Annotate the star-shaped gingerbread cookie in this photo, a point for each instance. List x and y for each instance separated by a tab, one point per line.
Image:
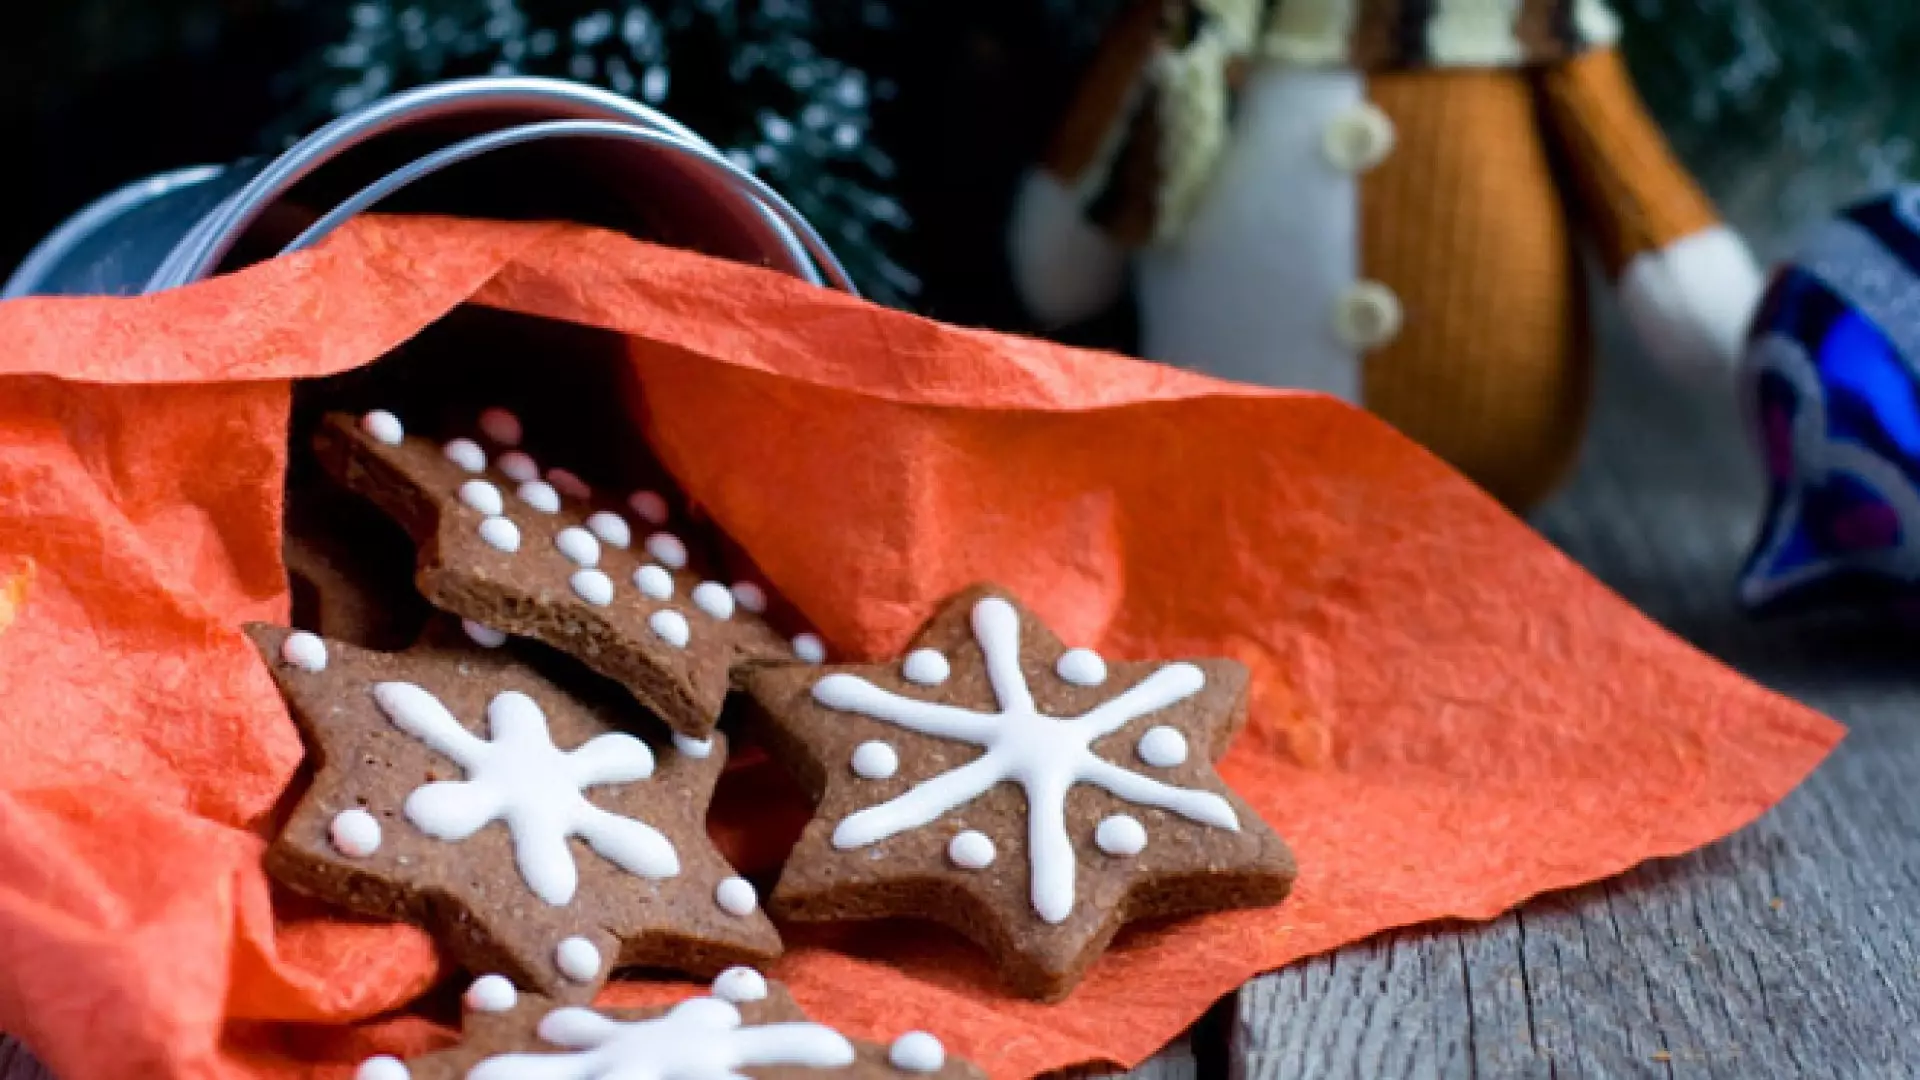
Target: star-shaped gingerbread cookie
538	554
746	1026
527	830
1030	796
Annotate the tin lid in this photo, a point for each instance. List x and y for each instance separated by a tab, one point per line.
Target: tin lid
87	253
586	154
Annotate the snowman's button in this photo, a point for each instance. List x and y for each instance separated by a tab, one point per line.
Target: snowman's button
1368	316
1359	138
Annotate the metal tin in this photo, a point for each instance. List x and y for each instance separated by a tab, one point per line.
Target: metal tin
508	147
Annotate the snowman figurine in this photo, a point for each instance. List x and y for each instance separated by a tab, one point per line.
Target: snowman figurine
1381	200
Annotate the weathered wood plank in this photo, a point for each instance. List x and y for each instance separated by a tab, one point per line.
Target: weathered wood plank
1685	967
1787	950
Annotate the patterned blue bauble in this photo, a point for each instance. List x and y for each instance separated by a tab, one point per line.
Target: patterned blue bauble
1832	388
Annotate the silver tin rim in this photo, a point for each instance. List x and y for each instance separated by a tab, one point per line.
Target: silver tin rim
760	197
53	250
201	250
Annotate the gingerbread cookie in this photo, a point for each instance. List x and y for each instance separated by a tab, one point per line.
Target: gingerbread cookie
1032	797
350	570
458	789
534	552
746	1026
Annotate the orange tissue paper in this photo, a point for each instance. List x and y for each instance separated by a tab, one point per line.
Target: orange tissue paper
1448	717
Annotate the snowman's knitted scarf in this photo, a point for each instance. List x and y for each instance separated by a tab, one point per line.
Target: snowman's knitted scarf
1163	150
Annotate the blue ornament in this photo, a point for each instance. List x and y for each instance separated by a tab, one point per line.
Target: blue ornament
1832	386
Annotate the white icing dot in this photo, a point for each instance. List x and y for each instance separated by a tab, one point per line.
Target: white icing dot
518	467
578	544
384	1067
971	850
650	506
671	627
480	496
809	648
355	833
1120	835
750	596
714	599
653	582
483	635
928	667
492	993
577	959
304	651
917	1051
1081	667
383	426
1163	747
736	896
501	426
592	586
692	747
740	985
501	533
875	760
668	549
467	454
540	495
610	528
569	484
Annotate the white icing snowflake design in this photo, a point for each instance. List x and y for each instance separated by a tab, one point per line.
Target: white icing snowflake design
522	779
700	1039
1045	755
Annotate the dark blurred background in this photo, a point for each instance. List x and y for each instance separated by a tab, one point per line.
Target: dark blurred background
898	127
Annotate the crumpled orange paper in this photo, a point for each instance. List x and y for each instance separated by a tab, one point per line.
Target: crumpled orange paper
1448	717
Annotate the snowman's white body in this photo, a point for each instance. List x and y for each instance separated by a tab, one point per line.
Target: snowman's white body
1252	288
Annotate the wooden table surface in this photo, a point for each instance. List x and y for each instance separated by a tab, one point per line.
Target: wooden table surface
1791	949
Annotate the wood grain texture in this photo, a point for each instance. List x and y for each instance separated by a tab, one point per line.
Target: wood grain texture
1787	950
